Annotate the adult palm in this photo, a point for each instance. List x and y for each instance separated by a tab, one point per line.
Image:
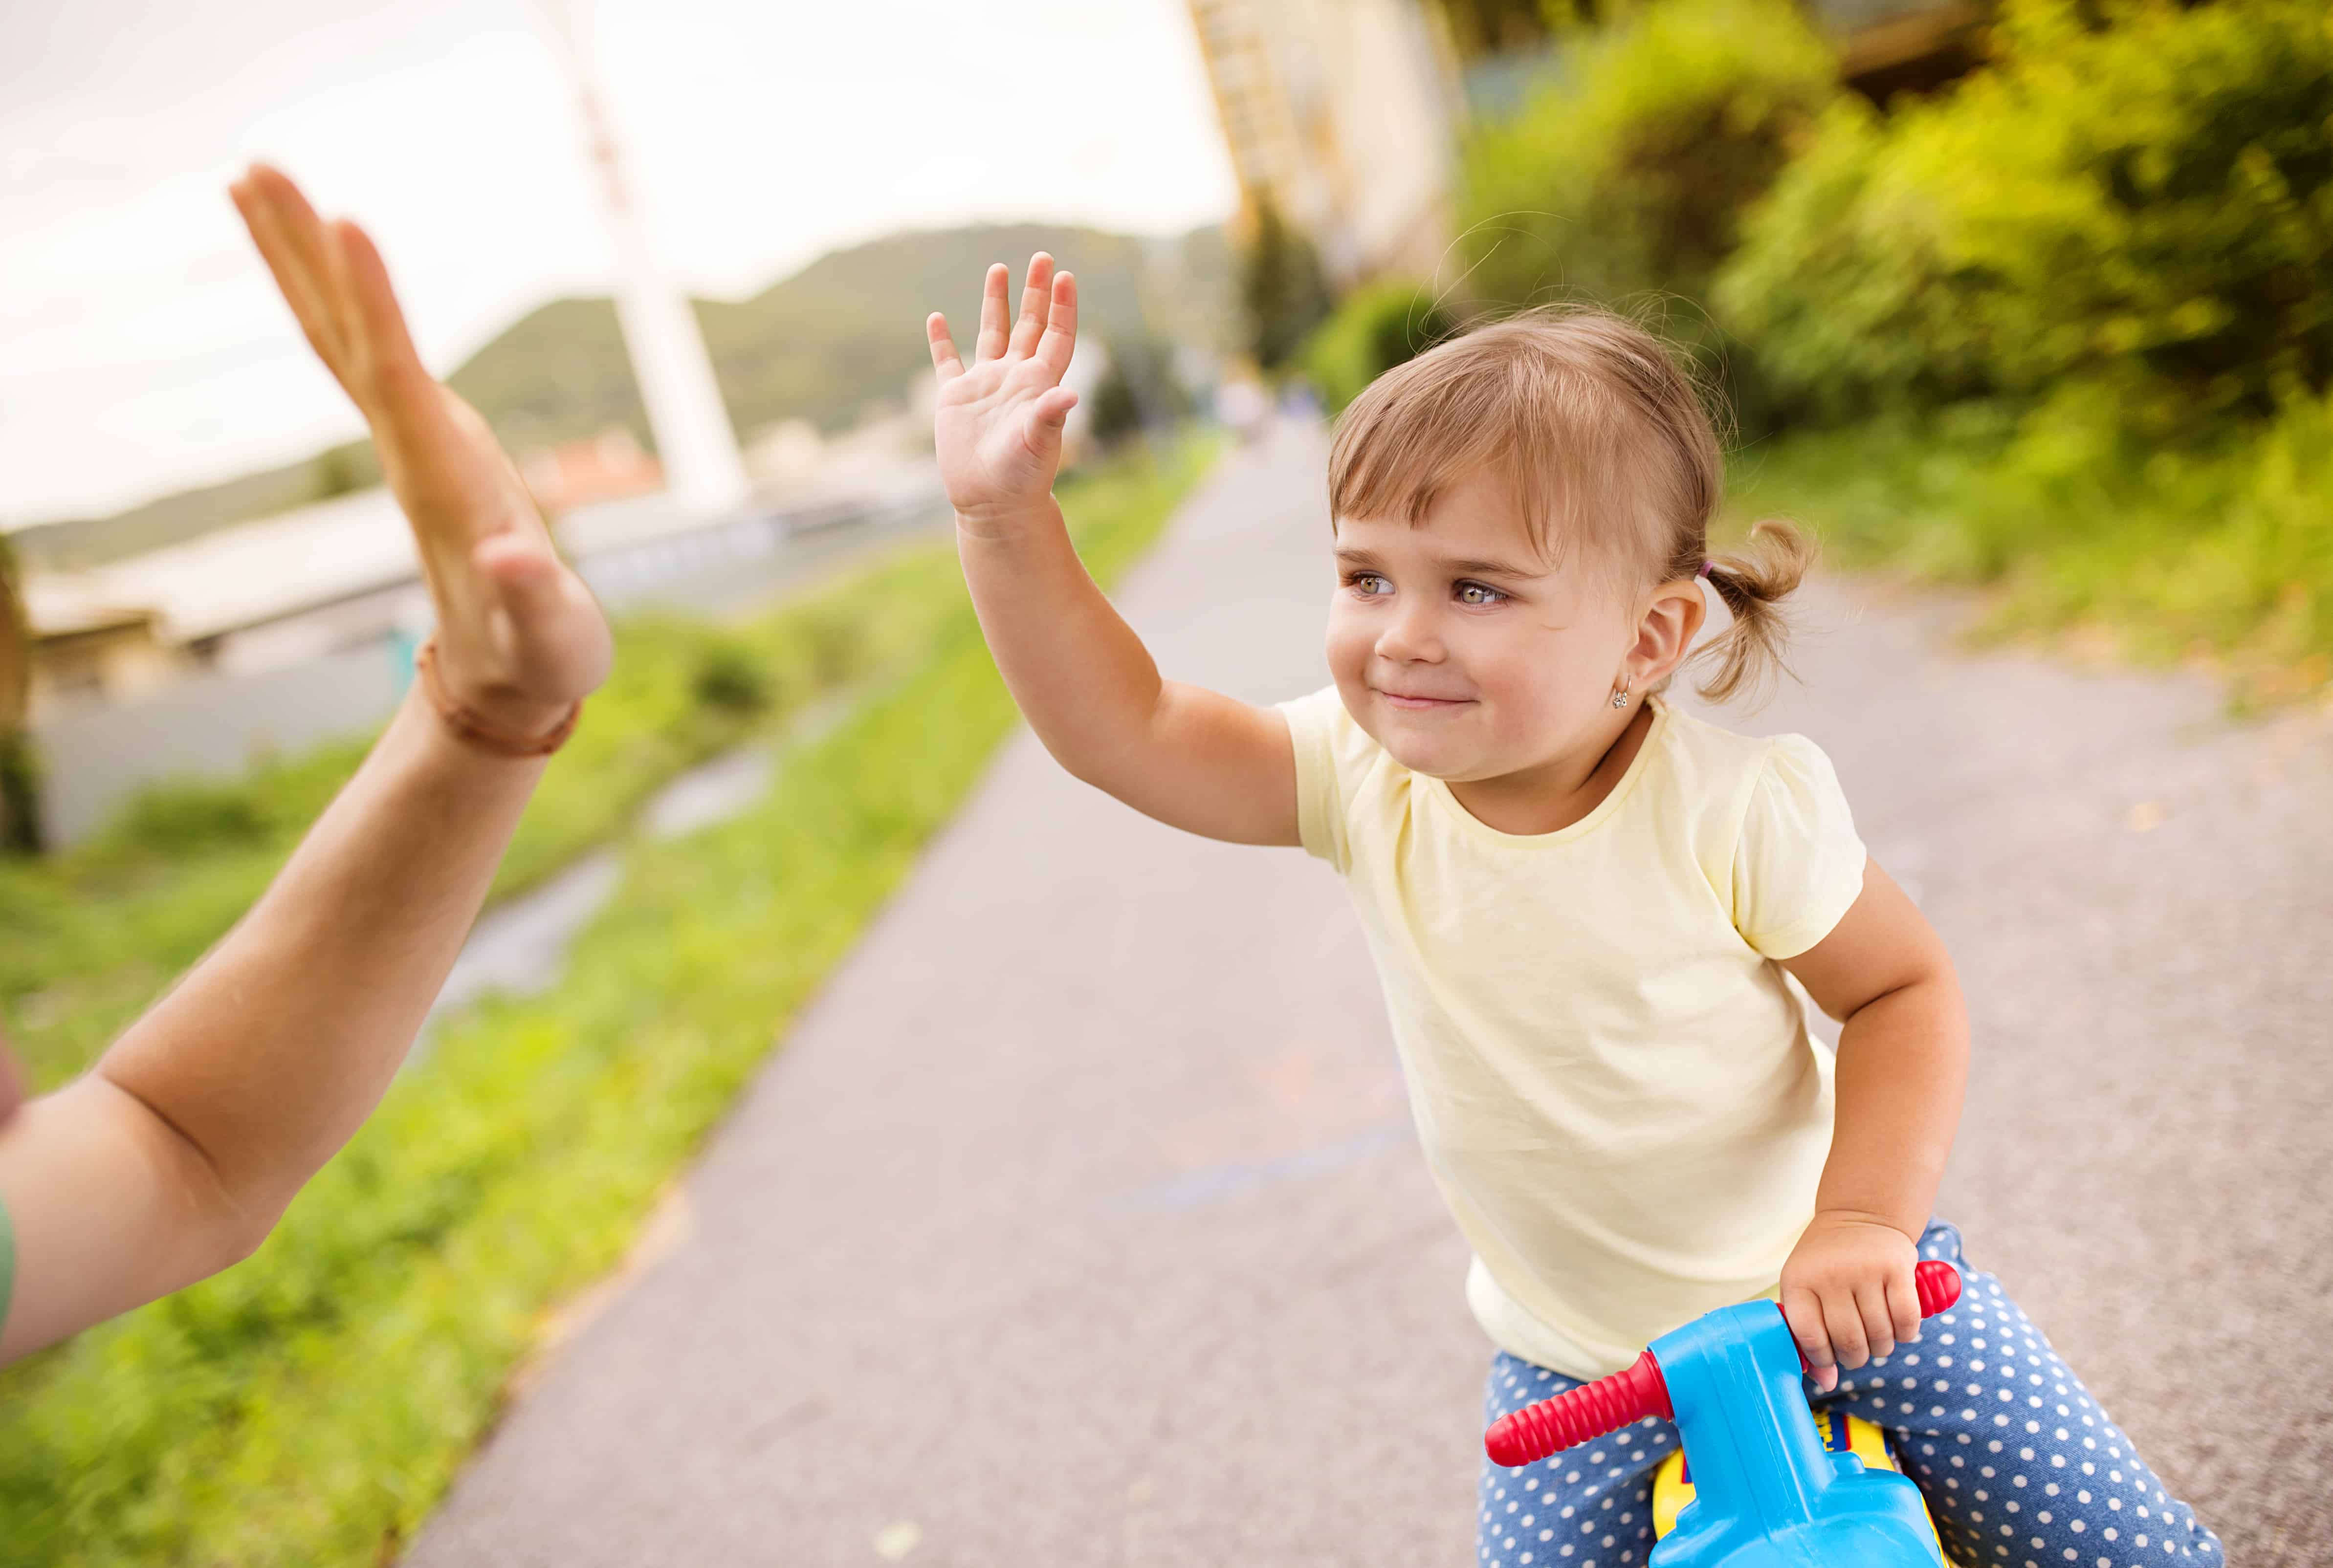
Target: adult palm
520	639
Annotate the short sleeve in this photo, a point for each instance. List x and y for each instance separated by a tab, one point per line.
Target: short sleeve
1317	725
1797	864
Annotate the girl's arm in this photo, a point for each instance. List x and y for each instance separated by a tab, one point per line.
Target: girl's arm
1191	758
1903	1067
173	1156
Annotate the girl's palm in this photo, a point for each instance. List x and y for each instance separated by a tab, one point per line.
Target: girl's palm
998	428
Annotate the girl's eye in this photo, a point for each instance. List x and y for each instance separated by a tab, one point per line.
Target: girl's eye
1476	593
1370	585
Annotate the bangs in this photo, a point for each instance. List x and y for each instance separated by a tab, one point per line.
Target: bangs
1532	403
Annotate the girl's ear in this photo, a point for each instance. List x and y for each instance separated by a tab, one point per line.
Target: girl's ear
1671	621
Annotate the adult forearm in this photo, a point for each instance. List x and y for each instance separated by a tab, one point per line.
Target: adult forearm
1081	675
274	1048
1903	1070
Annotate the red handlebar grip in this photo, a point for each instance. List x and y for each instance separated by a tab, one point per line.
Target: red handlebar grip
1587	1412
1939	1284
1596	1409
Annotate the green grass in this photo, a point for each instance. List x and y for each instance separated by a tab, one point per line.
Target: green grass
2219	555
89	938
311	1406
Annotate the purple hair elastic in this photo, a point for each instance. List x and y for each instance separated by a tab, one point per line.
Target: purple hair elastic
1704	568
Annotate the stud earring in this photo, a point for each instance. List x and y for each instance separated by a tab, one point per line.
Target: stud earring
1620	697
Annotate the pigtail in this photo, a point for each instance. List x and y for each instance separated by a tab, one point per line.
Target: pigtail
1748	653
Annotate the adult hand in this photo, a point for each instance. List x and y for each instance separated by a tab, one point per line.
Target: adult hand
520	640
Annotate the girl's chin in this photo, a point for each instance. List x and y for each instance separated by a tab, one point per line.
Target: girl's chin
1444	762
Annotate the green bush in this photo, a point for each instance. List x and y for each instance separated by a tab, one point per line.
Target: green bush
2220	548
1382	324
89	937
1138	390
1630	171
1841	289
730	675
1282	288
2145	203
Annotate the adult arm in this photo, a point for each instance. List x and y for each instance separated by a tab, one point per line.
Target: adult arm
175	1154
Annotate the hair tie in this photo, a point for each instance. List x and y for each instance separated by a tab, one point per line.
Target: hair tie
1705	565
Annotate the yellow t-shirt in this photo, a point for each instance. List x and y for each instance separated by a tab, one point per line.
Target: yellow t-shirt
1614	1088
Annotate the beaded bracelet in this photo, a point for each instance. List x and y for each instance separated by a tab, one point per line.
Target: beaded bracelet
467	726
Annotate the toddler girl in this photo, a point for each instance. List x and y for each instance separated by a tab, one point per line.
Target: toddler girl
1582	902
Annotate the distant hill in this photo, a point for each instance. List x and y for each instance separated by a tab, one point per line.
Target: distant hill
844	333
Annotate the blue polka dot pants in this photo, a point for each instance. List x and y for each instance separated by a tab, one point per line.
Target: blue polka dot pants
2021	1468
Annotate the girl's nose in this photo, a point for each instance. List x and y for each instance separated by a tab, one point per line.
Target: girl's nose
1410	635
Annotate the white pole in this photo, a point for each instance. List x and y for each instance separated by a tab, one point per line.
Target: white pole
694	438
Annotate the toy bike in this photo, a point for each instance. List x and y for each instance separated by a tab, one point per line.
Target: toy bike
1758	1484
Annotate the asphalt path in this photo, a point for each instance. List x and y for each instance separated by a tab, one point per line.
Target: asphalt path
1078	1221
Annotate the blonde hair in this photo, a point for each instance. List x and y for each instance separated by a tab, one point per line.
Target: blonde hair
1602	437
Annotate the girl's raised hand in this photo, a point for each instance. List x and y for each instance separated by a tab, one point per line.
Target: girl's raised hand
998	428
520	639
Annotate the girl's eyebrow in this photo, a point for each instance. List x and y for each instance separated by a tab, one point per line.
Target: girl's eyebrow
1488	569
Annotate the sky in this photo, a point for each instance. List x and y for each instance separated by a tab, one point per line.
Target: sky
143	348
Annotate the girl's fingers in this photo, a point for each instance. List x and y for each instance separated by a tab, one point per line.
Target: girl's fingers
1802	1310
1904	1307
1042	433
991	341
1036	296
1061	338
1844	1322
945	363
1878	1327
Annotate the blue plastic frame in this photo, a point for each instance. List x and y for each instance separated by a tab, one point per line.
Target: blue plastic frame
1766	1494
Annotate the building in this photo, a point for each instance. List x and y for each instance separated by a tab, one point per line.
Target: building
1891	46
607	466
84	650
1343	116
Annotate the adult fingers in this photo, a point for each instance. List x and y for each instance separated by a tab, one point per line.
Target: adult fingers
945	363
295	280
1802	1310
319	254
992	339
556	638
387	356
1036	298
1061	338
